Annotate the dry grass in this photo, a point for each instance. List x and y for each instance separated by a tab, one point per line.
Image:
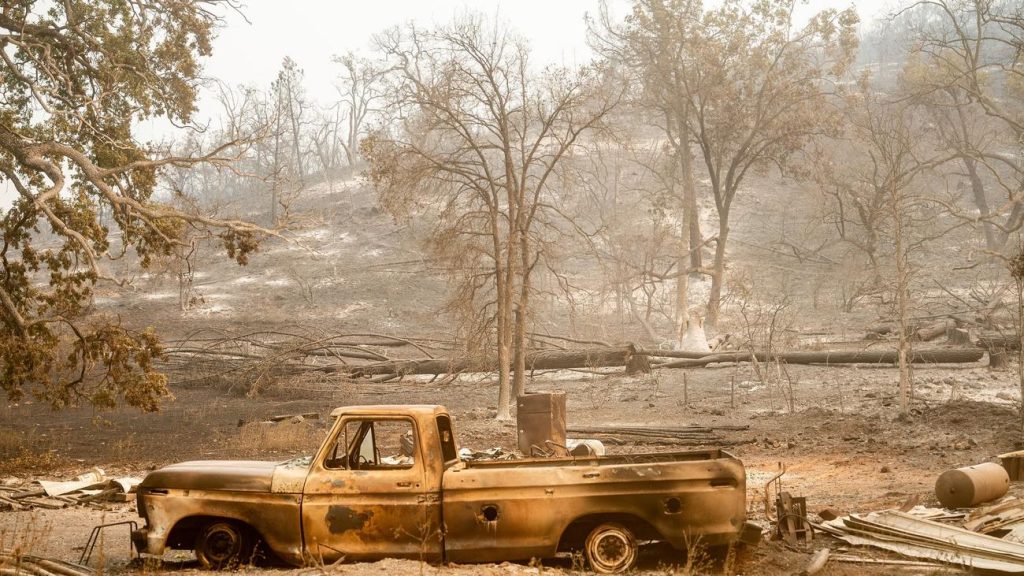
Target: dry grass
27	450
258	438
27	536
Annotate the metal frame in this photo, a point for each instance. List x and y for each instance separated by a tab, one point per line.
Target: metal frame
94	538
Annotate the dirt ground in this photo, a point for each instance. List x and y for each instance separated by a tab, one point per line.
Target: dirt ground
843	445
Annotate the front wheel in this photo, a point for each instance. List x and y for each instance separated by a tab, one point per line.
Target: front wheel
611	548
223	544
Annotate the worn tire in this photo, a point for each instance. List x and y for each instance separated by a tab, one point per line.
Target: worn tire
611	548
224	544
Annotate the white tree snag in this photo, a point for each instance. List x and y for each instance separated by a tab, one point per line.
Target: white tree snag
694	339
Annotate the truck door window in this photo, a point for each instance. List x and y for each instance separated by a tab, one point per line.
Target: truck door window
369	444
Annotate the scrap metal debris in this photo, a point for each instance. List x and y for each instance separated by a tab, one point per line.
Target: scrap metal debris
89	489
792	525
854	559
1014	464
939	514
490	454
917	537
1001	516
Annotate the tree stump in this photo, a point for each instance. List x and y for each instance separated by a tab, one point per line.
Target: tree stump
958	336
997	359
637	363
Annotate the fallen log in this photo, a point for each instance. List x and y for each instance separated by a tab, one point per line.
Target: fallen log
933	331
936	356
539	360
881	329
655	353
604	357
958	337
999	342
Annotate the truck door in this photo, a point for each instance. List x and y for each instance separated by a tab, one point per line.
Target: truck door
367	495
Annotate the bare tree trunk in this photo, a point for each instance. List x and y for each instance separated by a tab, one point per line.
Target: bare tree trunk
296	148
696	239
977	186
504	338
522	312
1020	348
503	296
718	274
691	215
686	261
902	287
276	175
683	283
981	201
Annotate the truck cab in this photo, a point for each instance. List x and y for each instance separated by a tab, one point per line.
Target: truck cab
374	488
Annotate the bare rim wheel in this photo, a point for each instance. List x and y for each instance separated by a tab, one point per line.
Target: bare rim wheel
223	544
611	548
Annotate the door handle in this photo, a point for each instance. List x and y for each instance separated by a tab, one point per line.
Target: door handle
404	484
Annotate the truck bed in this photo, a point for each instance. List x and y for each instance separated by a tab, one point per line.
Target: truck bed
536	507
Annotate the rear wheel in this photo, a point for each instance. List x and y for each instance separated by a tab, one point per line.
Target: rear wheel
611	548
223	544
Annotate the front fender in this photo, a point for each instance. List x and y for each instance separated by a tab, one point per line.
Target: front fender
275	517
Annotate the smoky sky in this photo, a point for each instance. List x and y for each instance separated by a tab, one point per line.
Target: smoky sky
249	49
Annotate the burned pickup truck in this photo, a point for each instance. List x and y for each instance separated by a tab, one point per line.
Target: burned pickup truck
388	482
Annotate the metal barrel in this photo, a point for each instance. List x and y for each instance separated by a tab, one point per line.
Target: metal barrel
972	485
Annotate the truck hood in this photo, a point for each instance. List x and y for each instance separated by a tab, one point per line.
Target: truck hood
232	475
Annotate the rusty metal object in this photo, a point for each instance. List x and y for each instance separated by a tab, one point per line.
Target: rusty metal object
1013	462
791	519
356	500
777	480
96	535
540	421
972	485
791	523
